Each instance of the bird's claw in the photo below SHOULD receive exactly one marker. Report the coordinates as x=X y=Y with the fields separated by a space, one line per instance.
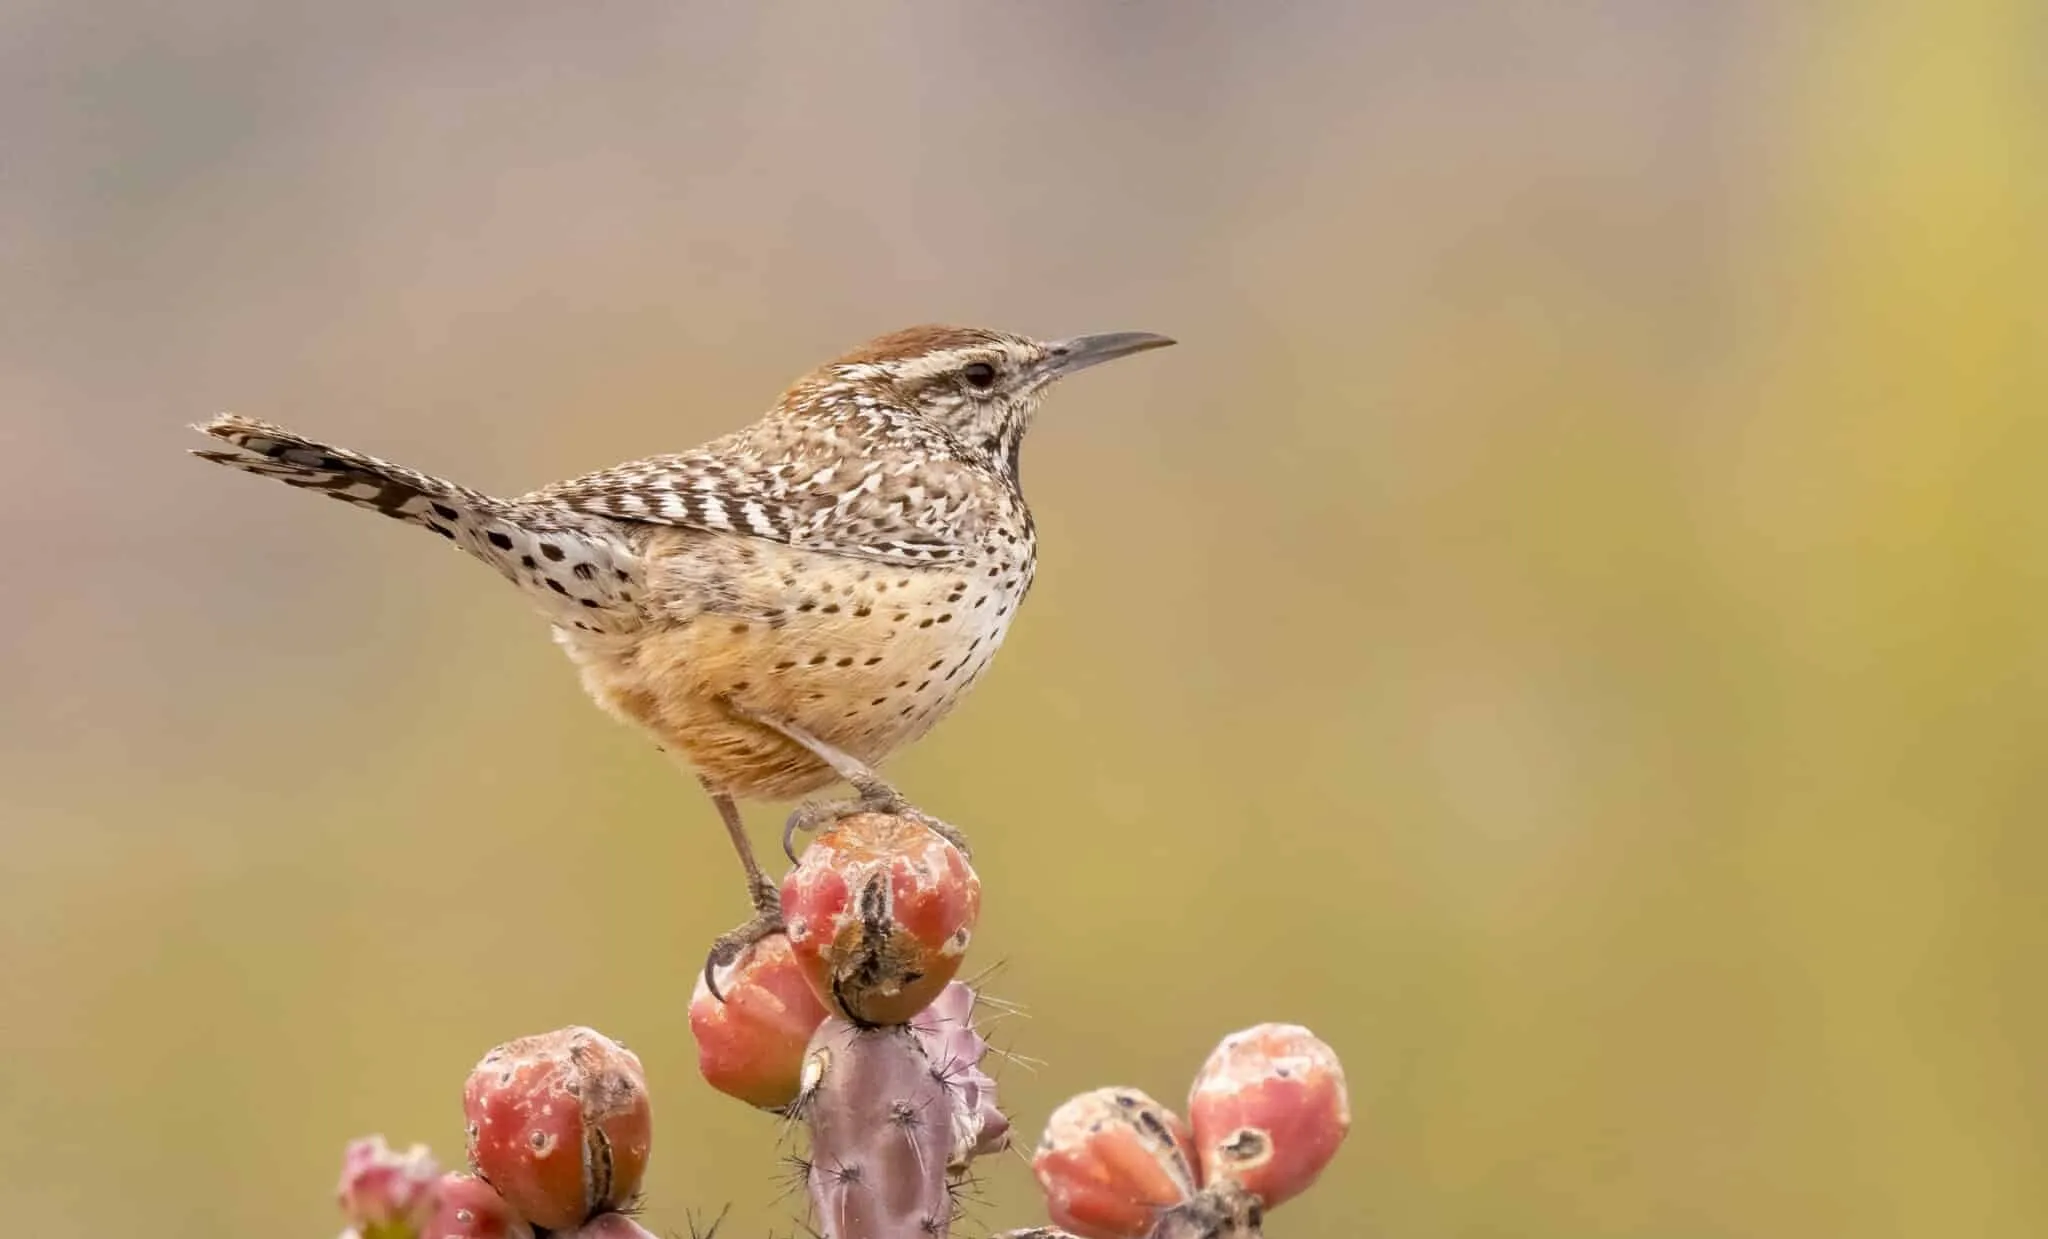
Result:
x=728 y=947
x=879 y=798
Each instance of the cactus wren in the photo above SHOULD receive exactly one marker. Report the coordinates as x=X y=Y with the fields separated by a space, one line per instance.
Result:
x=783 y=606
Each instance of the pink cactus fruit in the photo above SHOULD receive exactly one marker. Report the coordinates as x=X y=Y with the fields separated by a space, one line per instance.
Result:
x=560 y=1125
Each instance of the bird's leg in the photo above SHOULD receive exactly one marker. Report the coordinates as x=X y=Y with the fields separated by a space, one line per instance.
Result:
x=875 y=793
x=761 y=892
x=767 y=918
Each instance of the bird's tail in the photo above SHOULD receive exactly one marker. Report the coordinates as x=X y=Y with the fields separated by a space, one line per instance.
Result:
x=365 y=481
x=578 y=570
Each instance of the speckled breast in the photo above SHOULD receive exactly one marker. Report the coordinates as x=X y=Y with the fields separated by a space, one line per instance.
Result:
x=863 y=655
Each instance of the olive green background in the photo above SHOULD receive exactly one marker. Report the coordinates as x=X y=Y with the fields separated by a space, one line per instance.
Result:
x=1566 y=624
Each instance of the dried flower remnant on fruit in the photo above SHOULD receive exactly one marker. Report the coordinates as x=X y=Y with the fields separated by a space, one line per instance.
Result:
x=560 y=1125
x=1219 y=1211
x=386 y=1193
x=1269 y=1109
x=880 y=912
x=1111 y=1161
x=612 y=1226
x=751 y=1046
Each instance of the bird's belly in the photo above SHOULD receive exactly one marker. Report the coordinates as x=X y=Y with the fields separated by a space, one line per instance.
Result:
x=864 y=657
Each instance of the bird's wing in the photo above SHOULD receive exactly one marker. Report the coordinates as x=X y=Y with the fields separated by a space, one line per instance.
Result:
x=800 y=488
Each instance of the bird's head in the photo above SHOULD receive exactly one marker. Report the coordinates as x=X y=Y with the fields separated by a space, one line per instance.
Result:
x=982 y=387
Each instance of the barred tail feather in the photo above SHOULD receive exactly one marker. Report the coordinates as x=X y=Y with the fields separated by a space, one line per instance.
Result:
x=365 y=481
x=578 y=571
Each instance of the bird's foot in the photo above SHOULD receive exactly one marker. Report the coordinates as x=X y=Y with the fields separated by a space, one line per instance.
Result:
x=875 y=796
x=727 y=947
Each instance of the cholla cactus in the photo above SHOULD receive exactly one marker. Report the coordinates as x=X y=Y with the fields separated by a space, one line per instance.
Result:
x=853 y=1028
x=890 y=1086
x=1269 y=1110
x=897 y=1114
x=956 y=1049
x=881 y=1136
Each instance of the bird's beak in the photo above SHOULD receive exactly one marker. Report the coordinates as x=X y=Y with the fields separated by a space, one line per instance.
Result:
x=1063 y=357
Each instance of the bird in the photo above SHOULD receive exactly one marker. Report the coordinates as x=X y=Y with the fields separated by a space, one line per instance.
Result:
x=785 y=606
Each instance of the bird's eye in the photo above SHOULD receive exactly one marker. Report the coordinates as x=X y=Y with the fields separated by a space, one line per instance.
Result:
x=980 y=376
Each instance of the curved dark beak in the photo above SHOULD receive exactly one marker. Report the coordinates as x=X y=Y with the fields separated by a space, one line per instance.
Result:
x=1063 y=357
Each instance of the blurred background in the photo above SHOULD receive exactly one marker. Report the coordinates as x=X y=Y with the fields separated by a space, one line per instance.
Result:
x=1565 y=624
